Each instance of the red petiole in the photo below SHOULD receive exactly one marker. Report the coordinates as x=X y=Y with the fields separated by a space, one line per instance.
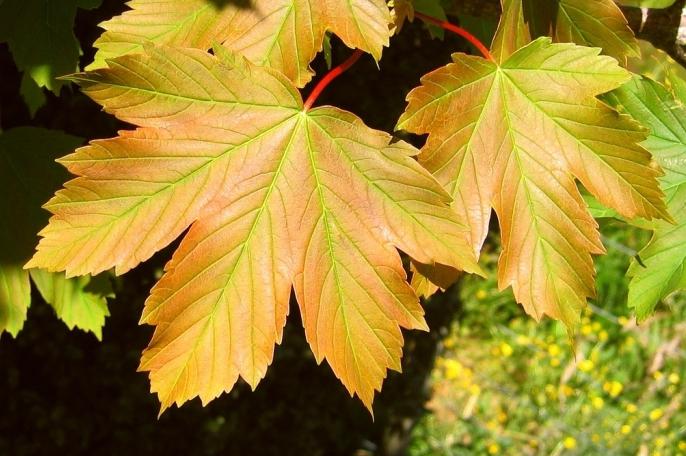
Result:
x=350 y=61
x=458 y=30
x=330 y=76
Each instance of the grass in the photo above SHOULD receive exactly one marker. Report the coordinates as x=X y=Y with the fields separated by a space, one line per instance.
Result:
x=503 y=384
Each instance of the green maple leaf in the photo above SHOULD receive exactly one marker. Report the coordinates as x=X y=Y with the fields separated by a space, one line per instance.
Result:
x=277 y=196
x=594 y=23
x=514 y=137
x=28 y=176
x=663 y=268
x=39 y=34
x=284 y=34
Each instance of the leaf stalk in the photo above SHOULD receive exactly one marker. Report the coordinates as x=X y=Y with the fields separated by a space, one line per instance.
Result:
x=330 y=76
x=459 y=31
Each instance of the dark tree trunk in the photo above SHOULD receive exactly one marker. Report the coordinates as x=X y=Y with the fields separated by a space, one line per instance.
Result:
x=662 y=26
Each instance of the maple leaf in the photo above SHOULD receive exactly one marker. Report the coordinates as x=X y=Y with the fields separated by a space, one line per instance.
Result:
x=663 y=268
x=277 y=195
x=597 y=23
x=28 y=176
x=284 y=34
x=513 y=137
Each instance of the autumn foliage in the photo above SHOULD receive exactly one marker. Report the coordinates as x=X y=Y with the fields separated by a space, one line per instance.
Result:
x=562 y=119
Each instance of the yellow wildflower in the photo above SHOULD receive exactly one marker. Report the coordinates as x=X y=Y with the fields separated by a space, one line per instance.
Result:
x=626 y=429
x=595 y=438
x=655 y=414
x=506 y=349
x=623 y=321
x=554 y=350
x=502 y=417
x=567 y=390
x=555 y=362
x=453 y=369
x=522 y=340
x=586 y=365
x=659 y=442
x=657 y=375
x=673 y=378
x=682 y=445
x=596 y=326
x=631 y=408
x=481 y=294
x=603 y=336
x=613 y=388
x=586 y=330
x=493 y=448
x=569 y=443
x=475 y=389
x=597 y=402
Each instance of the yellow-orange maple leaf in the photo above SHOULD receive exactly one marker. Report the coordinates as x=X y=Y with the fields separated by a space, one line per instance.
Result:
x=514 y=136
x=278 y=197
x=284 y=34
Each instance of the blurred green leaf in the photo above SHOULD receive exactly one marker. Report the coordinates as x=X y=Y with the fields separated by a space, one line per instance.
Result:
x=39 y=34
x=15 y=298
x=432 y=8
x=28 y=178
x=32 y=94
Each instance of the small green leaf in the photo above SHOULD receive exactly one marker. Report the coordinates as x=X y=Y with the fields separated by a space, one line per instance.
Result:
x=32 y=94
x=79 y=302
x=15 y=298
x=664 y=258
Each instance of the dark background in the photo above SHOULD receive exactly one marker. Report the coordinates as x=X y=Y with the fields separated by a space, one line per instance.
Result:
x=63 y=392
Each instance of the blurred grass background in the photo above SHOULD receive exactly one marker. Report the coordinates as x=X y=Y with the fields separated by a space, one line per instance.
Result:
x=503 y=384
